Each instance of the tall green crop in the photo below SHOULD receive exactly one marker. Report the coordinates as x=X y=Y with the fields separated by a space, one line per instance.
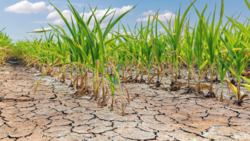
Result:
x=175 y=35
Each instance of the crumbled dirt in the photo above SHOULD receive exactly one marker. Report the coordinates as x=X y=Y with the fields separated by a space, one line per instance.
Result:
x=52 y=114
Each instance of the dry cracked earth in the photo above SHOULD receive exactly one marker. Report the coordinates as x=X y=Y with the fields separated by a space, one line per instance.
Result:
x=52 y=114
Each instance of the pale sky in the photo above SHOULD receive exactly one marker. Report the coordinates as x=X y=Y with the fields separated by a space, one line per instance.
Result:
x=22 y=16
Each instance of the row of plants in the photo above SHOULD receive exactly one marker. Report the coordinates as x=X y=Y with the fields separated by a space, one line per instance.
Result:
x=5 y=45
x=206 y=51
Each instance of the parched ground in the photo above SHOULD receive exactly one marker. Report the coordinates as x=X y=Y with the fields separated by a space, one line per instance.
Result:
x=52 y=114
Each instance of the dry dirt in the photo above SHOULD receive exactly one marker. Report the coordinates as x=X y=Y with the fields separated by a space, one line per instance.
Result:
x=52 y=114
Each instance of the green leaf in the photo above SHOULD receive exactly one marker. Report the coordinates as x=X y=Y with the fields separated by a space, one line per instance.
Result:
x=247 y=3
x=247 y=79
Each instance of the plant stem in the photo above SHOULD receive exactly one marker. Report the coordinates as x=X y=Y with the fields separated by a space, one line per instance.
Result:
x=221 y=97
x=176 y=71
x=211 y=79
x=87 y=75
x=141 y=71
x=238 y=89
x=131 y=67
x=189 y=76
x=123 y=70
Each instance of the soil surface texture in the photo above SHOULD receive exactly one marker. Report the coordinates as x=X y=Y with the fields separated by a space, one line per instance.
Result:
x=52 y=114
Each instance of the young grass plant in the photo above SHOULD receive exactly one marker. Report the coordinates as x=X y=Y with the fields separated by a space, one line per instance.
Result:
x=174 y=36
x=199 y=47
x=222 y=62
x=87 y=46
x=188 y=49
x=211 y=38
x=240 y=59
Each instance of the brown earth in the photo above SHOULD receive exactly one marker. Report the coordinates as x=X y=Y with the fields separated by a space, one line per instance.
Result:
x=52 y=114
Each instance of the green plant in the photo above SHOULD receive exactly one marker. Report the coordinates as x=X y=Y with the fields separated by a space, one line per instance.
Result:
x=239 y=59
x=174 y=35
x=211 y=34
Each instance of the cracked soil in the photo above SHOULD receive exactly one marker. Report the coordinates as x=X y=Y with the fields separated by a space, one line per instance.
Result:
x=52 y=114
